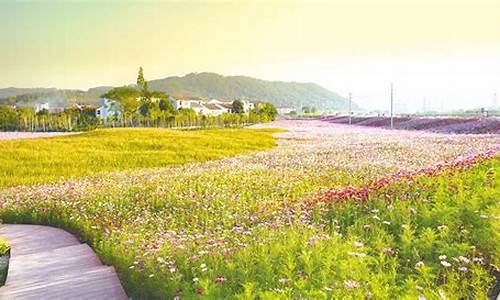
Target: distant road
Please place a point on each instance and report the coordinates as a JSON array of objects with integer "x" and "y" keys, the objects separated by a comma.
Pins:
[{"x": 31, "y": 135}]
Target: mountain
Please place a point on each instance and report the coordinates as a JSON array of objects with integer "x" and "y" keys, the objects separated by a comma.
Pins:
[
  {"x": 210, "y": 85},
  {"x": 281, "y": 94},
  {"x": 13, "y": 92}
]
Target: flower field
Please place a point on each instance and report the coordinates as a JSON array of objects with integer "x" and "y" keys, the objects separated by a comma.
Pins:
[
  {"x": 332, "y": 212},
  {"x": 471, "y": 125}
]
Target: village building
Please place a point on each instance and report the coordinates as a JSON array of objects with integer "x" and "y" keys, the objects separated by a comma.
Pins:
[
  {"x": 182, "y": 102},
  {"x": 45, "y": 106},
  {"x": 212, "y": 109},
  {"x": 41, "y": 107},
  {"x": 109, "y": 108},
  {"x": 282, "y": 111}
]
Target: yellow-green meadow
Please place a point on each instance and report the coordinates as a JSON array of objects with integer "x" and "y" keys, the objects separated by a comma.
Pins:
[{"x": 45, "y": 160}]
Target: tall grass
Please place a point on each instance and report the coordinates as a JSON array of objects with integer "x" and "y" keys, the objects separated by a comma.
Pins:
[{"x": 49, "y": 159}]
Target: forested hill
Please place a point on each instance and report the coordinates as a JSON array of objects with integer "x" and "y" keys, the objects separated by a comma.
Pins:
[
  {"x": 231, "y": 87},
  {"x": 210, "y": 85}
]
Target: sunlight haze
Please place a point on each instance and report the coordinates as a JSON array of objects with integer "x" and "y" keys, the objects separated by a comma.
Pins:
[{"x": 445, "y": 51}]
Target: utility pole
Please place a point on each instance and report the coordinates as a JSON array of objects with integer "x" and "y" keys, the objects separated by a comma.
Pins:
[
  {"x": 494, "y": 100},
  {"x": 350, "y": 108},
  {"x": 392, "y": 105},
  {"x": 424, "y": 104}
]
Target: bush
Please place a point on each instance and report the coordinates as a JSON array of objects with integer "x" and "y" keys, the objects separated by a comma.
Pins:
[{"x": 4, "y": 246}]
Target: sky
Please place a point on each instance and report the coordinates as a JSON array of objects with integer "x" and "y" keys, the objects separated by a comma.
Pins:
[{"x": 444, "y": 51}]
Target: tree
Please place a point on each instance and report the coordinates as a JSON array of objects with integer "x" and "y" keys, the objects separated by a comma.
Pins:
[
  {"x": 142, "y": 84},
  {"x": 164, "y": 103},
  {"x": 8, "y": 118},
  {"x": 268, "y": 110},
  {"x": 238, "y": 106},
  {"x": 11, "y": 101},
  {"x": 127, "y": 97}
]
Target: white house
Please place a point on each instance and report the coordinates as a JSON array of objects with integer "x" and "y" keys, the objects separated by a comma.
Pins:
[
  {"x": 247, "y": 106},
  {"x": 109, "y": 108},
  {"x": 224, "y": 105},
  {"x": 186, "y": 102},
  {"x": 47, "y": 107},
  {"x": 41, "y": 106},
  {"x": 213, "y": 109},
  {"x": 285, "y": 110}
]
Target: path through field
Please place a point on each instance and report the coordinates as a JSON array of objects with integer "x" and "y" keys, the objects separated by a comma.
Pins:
[
  {"x": 50, "y": 263},
  {"x": 31, "y": 135}
]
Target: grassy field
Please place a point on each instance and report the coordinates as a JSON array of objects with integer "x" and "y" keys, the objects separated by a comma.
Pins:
[
  {"x": 248, "y": 228},
  {"x": 49, "y": 159}
]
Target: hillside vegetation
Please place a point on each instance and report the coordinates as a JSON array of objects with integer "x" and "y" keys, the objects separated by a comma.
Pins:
[
  {"x": 279, "y": 93},
  {"x": 208, "y": 85}
]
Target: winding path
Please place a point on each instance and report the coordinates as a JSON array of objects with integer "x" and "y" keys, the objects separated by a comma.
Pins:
[{"x": 50, "y": 263}]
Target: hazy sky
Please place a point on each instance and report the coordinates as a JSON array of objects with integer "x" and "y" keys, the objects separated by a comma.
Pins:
[{"x": 445, "y": 50}]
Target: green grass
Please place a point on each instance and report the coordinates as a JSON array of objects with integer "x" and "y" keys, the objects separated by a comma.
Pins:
[{"x": 47, "y": 160}]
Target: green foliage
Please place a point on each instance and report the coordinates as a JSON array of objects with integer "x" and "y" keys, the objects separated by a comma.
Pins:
[
  {"x": 25, "y": 119},
  {"x": 4, "y": 260},
  {"x": 126, "y": 96},
  {"x": 49, "y": 159},
  {"x": 309, "y": 110},
  {"x": 138, "y": 108},
  {"x": 238, "y": 106},
  {"x": 266, "y": 109},
  {"x": 142, "y": 83},
  {"x": 4, "y": 246}
]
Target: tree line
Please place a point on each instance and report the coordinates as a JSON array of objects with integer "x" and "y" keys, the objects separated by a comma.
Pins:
[{"x": 138, "y": 107}]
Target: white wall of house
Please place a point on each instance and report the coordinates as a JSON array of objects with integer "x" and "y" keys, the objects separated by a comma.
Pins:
[
  {"x": 41, "y": 106},
  {"x": 247, "y": 106},
  {"x": 285, "y": 110},
  {"x": 200, "y": 106},
  {"x": 109, "y": 108},
  {"x": 185, "y": 103}
]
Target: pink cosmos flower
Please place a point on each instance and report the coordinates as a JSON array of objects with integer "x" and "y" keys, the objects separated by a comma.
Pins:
[{"x": 388, "y": 251}]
